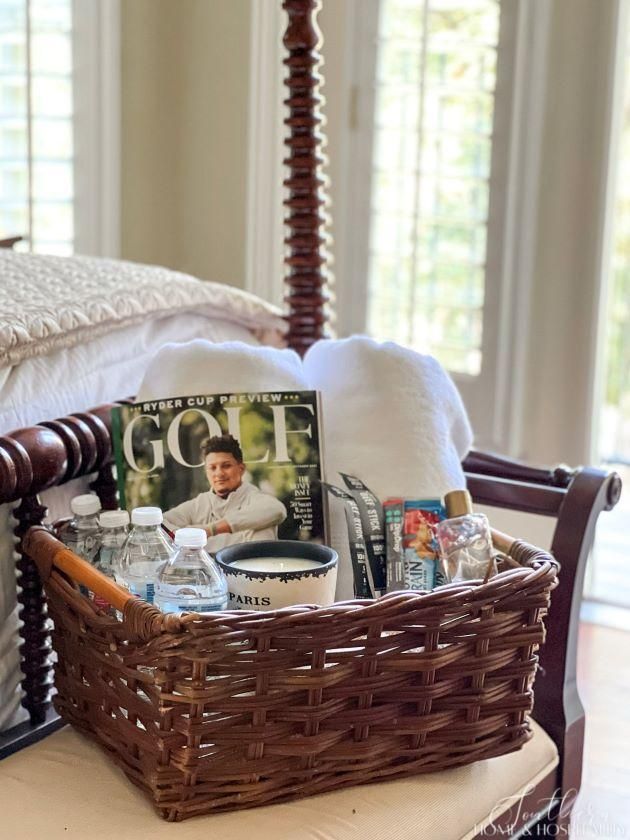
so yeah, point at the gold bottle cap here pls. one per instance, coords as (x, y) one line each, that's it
(458, 503)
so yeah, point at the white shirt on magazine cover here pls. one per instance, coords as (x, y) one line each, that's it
(250, 513)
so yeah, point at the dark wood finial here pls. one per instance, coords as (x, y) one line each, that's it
(31, 460)
(10, 242)
(305, 260)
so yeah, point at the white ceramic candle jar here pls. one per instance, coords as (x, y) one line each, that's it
(272, 574)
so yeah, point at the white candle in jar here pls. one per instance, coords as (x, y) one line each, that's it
(275, 564)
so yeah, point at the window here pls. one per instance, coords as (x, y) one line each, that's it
(36, 142)
(433, 118)
(438, 203)
(58, 69)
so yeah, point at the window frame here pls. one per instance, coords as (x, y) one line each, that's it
(96, 126)
(264, 268)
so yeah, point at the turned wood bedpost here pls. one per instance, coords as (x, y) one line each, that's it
(305, 258)
(32, 460)
(35, 647)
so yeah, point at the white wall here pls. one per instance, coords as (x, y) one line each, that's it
(185, 86)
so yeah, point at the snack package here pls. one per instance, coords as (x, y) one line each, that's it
(371, 512)
(394, 515)
(362, 573)
(420, 548)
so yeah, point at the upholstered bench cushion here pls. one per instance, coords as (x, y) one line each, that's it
(65, 787)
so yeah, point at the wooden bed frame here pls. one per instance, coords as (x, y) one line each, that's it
(56, 451)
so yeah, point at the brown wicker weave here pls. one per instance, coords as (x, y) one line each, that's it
(240, 709)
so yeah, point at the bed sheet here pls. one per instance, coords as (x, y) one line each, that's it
(42, 388)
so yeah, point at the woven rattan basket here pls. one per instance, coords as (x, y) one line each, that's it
(240, 709)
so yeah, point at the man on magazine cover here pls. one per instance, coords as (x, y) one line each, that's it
(232, 511)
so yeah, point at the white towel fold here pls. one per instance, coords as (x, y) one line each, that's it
(392, 417)
(200, 367)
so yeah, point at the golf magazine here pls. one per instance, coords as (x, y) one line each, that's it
(251, 460)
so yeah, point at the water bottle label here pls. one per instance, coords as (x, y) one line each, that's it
(201, 608)
(178, 598)
(171, 607)
(145, 591)
(139, 580)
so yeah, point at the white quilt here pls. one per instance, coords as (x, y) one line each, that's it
(48, 303)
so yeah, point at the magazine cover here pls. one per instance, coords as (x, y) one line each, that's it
(241, 466)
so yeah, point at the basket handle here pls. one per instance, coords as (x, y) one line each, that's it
(521, 552)
(502, 542)
(143, 621)
(47, 551)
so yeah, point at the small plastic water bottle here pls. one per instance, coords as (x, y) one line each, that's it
(114, 526)
(83, 533)
(191, 581)
(145, 550)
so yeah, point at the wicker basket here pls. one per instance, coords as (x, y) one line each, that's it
(240, 709)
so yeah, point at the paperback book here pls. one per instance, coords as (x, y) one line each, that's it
(244, 466)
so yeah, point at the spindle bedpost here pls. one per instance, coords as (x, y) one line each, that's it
(31, 460)
(306, 274)
(35, 645)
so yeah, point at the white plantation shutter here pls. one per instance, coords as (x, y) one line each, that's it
(36, 133)
(58, 124)
(439, 199)
(433, 118)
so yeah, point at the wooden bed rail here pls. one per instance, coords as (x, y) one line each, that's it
(10, 242)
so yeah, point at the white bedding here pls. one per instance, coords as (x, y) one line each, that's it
(104, 369)
(107, 368)
(48, 303)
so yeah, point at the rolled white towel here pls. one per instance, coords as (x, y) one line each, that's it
(392, 417)
(201, 367)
